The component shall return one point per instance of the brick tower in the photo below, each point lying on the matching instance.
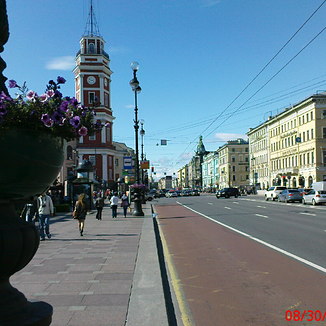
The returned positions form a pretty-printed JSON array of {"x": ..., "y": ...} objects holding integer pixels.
[{"x": 92, "y": 87}]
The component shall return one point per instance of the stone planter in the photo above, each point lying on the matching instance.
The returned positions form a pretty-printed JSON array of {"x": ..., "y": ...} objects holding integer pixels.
[{"x": 30, "y": 162}]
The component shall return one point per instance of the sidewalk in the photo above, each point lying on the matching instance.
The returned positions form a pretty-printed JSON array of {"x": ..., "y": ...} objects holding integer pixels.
[{"x": 108, "y": 277}]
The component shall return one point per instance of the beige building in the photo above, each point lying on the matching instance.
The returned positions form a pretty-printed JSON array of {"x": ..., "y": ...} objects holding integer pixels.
[
  {"x": 298, "y": 143},
  {"x": 234, "y": 163},
  {"x": 259, "y": 156},
  {"x": 183, "y": 177},
  {"x": 294, "y": 145}
]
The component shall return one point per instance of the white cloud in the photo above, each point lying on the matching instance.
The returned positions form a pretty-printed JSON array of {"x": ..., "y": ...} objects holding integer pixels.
[
  {"x": 130, "y": 106},
  {"x": 61, "y": 63},
  {"x": 229, "y": 136}
]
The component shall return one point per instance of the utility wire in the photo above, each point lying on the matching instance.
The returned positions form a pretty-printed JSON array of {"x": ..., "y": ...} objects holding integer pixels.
[
  {"x": 270, "y": 79},
  {"x": 260, "y": 72}
]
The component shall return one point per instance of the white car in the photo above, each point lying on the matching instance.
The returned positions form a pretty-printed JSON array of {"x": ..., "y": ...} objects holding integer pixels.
[
  {"x": 273, "y": 192},
  {"x": 314, "y": 197}
]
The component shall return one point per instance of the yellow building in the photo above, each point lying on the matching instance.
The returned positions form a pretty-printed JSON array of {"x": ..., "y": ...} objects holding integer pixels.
[
  {"x": 292, "y": 145},
  {"x": 233, "y": 167}
]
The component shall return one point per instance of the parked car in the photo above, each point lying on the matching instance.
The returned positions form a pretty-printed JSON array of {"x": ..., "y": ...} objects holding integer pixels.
[
  {"x": 195, "y": 192},
  {"x": 315, "y": 197},
  {"x": 228, "y": 192},
  {"x": 290, "y": 195},
  {"x": 171, "y": 193},
  {"x": 304, "y": 191},
  {"x": 185, "y": 193},
  {"x": 273, "y": 192}
]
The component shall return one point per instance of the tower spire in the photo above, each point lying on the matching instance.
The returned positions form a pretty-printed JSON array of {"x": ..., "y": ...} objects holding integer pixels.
[{"x": 91, "y": 28}]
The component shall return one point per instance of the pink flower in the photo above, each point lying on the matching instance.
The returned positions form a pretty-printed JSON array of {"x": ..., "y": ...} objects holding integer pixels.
[
  {"x": 50, "y": 93},
  {"x": 31, "y": 95},
  {"x": 43, "y": 97},
  {"x": 82, "y": 131}
]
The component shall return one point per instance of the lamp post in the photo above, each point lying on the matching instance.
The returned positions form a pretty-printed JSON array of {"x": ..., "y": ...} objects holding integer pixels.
[
  {"x": 142, "y": 134},
  {"x": 134, "y": 83}
]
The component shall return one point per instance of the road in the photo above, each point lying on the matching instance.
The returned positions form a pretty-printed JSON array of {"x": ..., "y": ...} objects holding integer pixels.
[{"x": 245, "y": 261}]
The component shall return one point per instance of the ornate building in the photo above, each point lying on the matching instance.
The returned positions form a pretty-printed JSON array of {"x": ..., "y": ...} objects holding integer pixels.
[{"x": 92, "y": 86}]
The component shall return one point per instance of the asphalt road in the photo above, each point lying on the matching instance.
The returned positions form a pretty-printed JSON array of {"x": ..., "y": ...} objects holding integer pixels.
[
  {"x": 296, "y": 228},
  {"x": 222, "y": 277}
]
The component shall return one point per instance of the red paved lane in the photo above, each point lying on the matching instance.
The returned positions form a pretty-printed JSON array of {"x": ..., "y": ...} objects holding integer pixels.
[{"x": 230, "y": 280}]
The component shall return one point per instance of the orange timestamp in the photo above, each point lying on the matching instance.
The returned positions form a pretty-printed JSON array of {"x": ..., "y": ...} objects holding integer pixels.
[{"x": 305, "y": 315}]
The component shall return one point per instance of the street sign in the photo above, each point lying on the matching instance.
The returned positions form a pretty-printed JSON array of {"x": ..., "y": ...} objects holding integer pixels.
[
  {"x": 144, "y": 165},
  {"x": 127, "y": 163}
]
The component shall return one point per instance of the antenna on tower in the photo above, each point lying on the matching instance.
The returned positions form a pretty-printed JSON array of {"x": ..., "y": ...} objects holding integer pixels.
[{"x": 91, "y": 28}]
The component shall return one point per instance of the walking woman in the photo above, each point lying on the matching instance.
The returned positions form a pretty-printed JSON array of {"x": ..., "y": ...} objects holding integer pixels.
[
  {"x": 124, "y": 204},
  {"x": 80, "y": 212}
]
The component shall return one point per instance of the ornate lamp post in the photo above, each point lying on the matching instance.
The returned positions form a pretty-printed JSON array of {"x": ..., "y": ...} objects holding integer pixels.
[
  {"x": 134, "y": 83},
  {"x": 142, "y": 157}
]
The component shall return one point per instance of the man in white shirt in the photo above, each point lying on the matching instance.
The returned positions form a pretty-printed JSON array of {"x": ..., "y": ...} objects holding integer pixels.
[
  {"x": 114, "y": 201},
  {"x": 45, "y": 210}
]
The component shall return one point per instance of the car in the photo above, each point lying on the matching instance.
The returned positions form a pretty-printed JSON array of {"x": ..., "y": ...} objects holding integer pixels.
[
  {"x": 290, "y": 195},
  {"x": 304, "y": 191},
  {"x": 195, "y": 192},
  {"x": 315, "y": 197},
  {"x": 272, "y": 192},
  {"x": 228, "y": 192},
  {"x": 171, "y": 193},
  {"x": 185, "y": 193}
]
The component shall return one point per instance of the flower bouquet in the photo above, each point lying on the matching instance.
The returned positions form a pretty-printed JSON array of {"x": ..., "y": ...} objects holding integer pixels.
[{"x": 49, "y": 112}]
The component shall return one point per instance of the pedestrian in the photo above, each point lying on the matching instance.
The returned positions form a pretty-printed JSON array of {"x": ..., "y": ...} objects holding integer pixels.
[
  {"x": 99, "y": 204},
  {"x": 114, "y": 201},
  {"x": 45, "y": 210},
  {"x": 30, "y": 212},
  {"x": 80, "y": 212},
  {"x": 124, "y": 204}
]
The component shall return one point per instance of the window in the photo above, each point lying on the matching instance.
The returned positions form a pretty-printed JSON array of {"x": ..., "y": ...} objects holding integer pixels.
[
  {"x": 116, "y": 162},
  {"x": 323, "y": 116},
  {"x": 324, "y": 158},
  {"x": 91, "y": 97},
  {"x": 312, "y": 133},
  {"x": 92, "y": 159},
  {"x": 93, "y": 137},
  {"x": 324, "y": 132},
  {"x": 312, "y": 157},
  {"x": 91, "y": 48},
  {"x": 233, "y": 168},
  {"x": 233, "y": 159},
  {"x": 233, "y": 177}
]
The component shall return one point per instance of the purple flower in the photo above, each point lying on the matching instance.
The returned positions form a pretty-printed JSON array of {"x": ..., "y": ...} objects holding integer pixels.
[
  {"x": 12, "y": 84},
  {"x": 82, "y": 131},
  {"x": 64, "y": 106},
  {"x": 60, "y": 80},
  {"x": 56, "y": 117},
  {"x": 58, "y": 94},
  {"x": 31, "y": 95},
  {"x": 46, "y": 119},
  {"x": 43, "y": 97},
  {"x": 50, "y": 93},
  {"x": 75, "y": 121}
]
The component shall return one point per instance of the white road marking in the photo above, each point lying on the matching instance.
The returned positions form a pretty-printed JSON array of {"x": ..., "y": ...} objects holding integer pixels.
[
  {"x": 261, "y": 206},
  {"x": 235, "y": 202},
  {"x": 284, "y": 252},
  {"x": 262, "y": 215},
  {"x": 210, "y": 203},
  {"x": 311, "y": 214},
  {"x": 227, "y": 207}
]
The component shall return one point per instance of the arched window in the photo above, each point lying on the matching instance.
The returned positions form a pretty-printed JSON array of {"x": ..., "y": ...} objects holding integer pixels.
[
  {"x": 69, "y": 152},
  {"x": 91, "y": 48}
]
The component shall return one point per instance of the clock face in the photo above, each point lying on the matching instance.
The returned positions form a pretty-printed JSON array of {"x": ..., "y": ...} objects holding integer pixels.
[{"x": 91, "y": 80}]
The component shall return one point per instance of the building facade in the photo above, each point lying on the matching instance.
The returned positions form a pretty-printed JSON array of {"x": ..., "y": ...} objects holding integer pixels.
[
  {"x": 297, "y": 140},
  {"x": 233, "y": 166},
  {"x": 210, "y": 174}
]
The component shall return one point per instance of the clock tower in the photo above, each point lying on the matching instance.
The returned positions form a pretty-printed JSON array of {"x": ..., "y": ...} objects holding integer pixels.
[{"x": 92, "y": 88}]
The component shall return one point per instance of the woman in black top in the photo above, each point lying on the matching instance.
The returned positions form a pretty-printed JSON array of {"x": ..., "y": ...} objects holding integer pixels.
[{"x": 80, "y": 212}]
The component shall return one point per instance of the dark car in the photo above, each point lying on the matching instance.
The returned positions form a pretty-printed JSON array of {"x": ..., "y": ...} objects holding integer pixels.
[{"x": 228, "y": 192}]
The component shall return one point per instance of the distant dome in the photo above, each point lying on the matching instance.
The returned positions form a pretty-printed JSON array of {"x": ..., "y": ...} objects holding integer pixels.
[{"x": 200, "y": 147}]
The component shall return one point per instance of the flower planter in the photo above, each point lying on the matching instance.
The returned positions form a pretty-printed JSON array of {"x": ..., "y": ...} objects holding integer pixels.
[{"x": 31, "y": 160}]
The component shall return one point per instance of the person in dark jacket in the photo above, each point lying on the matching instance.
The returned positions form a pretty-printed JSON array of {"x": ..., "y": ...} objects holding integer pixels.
[
  {"x": 80, "y": 212},
  {"x": 99, "y": 204}
]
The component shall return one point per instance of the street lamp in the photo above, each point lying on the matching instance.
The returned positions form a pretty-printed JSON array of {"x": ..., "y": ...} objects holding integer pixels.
[
  {"x": 134, "y": 83},
  {"x": 142, "y": 134}
]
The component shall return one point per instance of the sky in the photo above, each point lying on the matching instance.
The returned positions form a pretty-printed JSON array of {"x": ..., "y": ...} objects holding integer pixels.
[{"x": 207, "y": 67}]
